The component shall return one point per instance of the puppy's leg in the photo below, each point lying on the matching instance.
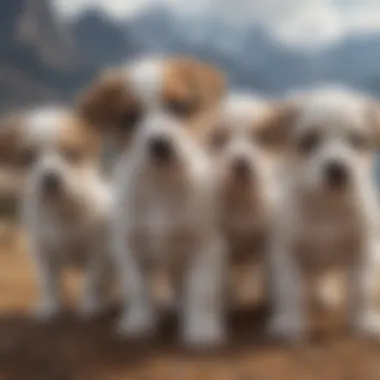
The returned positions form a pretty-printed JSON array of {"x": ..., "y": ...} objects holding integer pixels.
[
  {"x": 288, "y": 321},
  {"x": 203, "y": 319},
  {"x": 96, "y": 284},
  {"x": 48, "y": 267},
  {"x": 139, "y": 317},
  {"x": 363, "y": 314}
]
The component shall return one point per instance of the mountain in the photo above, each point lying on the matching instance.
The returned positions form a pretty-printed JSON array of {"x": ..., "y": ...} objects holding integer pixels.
[
  {"x": 251, "y": 56},
  {"x": 42, "y": 58},
  {"x": 252, "y": 59},
  {"x": 38, "y": 28},
  {"x": 355, "y": 60},
  {"x": 102, "y": 41},
  {"x": 38, "y": 59}
]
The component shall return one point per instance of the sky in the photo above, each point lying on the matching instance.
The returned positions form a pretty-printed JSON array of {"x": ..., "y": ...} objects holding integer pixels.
[{"x": 302, "y": 24}]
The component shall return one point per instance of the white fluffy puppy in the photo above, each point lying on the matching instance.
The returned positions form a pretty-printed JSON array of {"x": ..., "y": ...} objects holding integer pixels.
[
  {"x": 246, "y": 159},
  {"x": 159, "y": 110},
  {"x": 328, "y": 216},
  {"x": 65, "y": 202}
]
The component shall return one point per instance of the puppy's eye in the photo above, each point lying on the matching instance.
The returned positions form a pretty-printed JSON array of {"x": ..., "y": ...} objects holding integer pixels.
[
  {"x": 182, "y": 108},
  {"x": 309, "y": 143},
  {"x": 219, "y": 139},
  {"x": 73, "y": 156},
  {"x": 130, "y": 118},
  {"x": 359, "y": 141},
  {"x": 28, "y": 157}
]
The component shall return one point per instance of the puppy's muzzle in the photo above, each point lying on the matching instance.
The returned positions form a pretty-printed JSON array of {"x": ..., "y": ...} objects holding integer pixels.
[
  {"x": 161, "y": 149},
  {"x": 336, "y": 175},
  {"x": 241, "y": 168},
  {"x": 51, "y": 183}
]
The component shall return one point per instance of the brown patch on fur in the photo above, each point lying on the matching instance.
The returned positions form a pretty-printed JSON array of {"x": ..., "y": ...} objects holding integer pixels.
[
  {"x": 374, "y": 114},
  {"x": 279, "y": 123},
  {"x": 265, "y": 133},
  {"x": 10, "y": 139},
  {"x": 195, "y": 84},
  {"x": 186, "y": 77},
  {"x": 77, "y": 137},
  {"x": 109, "y": 106}
]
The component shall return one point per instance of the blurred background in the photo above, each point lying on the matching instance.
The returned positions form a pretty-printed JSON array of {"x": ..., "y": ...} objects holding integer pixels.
[{"x": 49, "y": 49}]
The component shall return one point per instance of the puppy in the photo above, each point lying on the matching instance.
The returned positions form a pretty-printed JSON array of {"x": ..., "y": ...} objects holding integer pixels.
[
  {"x": 246, "y": 159},
  {"x": 328, "y": 215},
  {"x": 65, "y": 202},
  {"x": 159, "y": 109}
]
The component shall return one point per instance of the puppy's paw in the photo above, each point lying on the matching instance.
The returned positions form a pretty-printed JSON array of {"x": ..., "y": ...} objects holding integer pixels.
[
  {"x": 287, "y": 327},
  {"x": 46, "y": 311},
  {"x": 136, "y": 323},
  {"x": 204, "y": 332},
  {"x": 368, "y": 325}
]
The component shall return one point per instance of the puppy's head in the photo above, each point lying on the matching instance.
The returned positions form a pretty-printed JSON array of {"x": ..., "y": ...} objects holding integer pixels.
[
  {"x": 155, "y": 109},
  {"x": 245, "y": 153},
  {"x": 331, "y": 135},
  {"x": 56, "y": 150}
]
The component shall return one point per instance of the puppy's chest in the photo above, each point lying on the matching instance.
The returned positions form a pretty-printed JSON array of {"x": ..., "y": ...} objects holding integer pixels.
[
  {"x": 247, "y": 247},
  {"x": 244, "y": 221},
  {"x": 245, "y": 228},
  {"x": 164, "y": 228},
  {"x": 327, "y": 239},
  {"x": 246, "y": 235},
  {"x": 69, "y": 240}
]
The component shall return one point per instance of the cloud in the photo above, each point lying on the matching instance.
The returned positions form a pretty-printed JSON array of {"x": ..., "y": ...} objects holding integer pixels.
[
  {"x": 115, "y": 8},
  {"x": 307, "y": 24}
]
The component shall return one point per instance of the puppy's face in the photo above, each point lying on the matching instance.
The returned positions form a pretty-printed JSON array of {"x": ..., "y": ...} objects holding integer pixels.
[
  {"x": 332, "y": 137},
  {"x": 245, "y": 154},
  {"x": 155, "y": 109},
  {"x": 56, "y": 150}
]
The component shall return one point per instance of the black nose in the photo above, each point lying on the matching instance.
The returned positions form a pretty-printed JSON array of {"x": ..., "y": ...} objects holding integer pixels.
[
  {"x": 51, "y": 183},
  {"x": 241, "y": 167},
  {"x": 161, "y": 149},
  {"x": 336, "y": 174}
]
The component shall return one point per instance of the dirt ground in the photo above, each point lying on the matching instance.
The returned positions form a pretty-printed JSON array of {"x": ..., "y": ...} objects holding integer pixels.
[{"x": 70, "y": 349}]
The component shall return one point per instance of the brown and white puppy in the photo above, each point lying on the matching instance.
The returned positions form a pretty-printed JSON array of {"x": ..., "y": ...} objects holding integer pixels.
[
  {"x": 65, "y": 202},
  {"x": 246, "y": 159},
  {"x": 328, "y": 216},
  {"x": 158, "y": 109}
]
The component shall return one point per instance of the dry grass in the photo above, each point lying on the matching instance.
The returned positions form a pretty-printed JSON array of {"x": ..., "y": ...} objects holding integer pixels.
[{"x": 72, "y": 350}]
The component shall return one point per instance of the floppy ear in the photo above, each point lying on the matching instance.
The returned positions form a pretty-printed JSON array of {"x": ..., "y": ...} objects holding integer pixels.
[
  {"x": 375, "y": 121},
  {"x": 280, "y": 122},
  {"x": 102, "y": 103},
  {"x": 10, "y": 129},
  {"x": 210, "y": 81}
]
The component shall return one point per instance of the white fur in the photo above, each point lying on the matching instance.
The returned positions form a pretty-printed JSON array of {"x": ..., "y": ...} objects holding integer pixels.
[
  {"x": 146, "y": 78},
  {"x": 164, "y": 203},
  {"x": 309, "y": 213},
  {"x": 50, "y": 236},
  {"x": 193, "y": 214},
  {"x": 243, "y": 108},
  {"x": 38, "y": 126}
]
